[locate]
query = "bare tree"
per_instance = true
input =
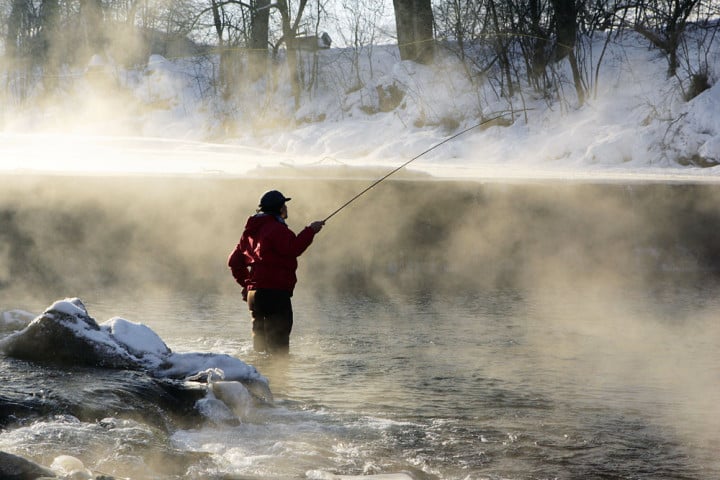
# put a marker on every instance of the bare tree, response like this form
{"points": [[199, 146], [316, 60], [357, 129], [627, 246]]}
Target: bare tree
{"points": [[289, 34], [566, 17], [501, 42], [359, 30], [694, 73], [246, 28], [663, 23]]}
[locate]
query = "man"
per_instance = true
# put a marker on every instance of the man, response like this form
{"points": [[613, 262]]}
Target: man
{"points": [[264, 264]]}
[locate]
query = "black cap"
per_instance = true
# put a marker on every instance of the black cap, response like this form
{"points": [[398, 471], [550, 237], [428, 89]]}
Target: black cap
{"points": [[272, 201]]}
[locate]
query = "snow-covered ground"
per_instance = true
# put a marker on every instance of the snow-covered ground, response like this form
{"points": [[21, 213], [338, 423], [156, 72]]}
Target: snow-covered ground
{"points": [[166, 119]]}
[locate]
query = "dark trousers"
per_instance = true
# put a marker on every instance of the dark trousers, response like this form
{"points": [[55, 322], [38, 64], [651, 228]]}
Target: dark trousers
{"points": [[272, 320]]}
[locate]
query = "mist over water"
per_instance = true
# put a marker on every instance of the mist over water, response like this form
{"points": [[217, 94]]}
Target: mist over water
{"points": [[78, 234], [455, 329]]}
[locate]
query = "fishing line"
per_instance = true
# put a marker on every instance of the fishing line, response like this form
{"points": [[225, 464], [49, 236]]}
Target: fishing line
{"points": [[376, 182]]}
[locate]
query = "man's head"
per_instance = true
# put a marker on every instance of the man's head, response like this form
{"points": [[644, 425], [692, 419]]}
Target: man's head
{"points": [[272, 202]]}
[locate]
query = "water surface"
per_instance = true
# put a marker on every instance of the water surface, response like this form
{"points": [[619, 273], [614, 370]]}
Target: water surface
{"points": [[486, 332]]}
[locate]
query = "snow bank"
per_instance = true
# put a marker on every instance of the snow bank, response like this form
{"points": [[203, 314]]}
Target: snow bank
{"points": [[635, 120]]}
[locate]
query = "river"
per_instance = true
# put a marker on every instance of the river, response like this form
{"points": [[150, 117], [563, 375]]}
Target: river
{"points": [[452, 331]]}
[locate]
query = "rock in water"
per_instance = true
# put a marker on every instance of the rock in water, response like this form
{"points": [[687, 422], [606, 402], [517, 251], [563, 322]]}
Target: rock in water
{"points": [[66, 334], [145, 372], [13, 467]]}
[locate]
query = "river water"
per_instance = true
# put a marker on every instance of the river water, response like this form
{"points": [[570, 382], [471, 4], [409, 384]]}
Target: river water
{"points": [[527, 376]]}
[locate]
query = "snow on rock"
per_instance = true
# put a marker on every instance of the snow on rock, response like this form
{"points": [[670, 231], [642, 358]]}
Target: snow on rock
{"points": [[69, 306], [66, 334], [138, 339], [185, 365]]}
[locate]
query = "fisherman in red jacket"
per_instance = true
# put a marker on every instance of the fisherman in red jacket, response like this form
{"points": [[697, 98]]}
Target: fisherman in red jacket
{"points": [[264, 264]]}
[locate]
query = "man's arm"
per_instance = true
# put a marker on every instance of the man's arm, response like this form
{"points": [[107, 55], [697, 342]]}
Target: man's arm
{"points": [[294, 245]]}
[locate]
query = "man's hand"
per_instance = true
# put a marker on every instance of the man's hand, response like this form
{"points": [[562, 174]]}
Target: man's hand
{"points": [[244, 294], [317, 225]]}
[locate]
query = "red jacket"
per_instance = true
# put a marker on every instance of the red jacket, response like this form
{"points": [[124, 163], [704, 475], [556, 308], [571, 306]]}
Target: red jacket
{"points": [[266, 256]]}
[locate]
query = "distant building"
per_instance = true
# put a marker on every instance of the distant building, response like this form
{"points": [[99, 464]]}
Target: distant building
{"points": [[313, 42]]}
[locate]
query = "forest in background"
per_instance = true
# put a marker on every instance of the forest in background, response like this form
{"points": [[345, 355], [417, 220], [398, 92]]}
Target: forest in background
{"points": [[507, 47]]}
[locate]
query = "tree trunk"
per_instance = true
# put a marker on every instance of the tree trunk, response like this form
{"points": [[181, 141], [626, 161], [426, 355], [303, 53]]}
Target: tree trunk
{"points": [[424, 38], [671, 24], [501, 48], [224, 67], [259, 38], [289, 30], [565, 27], [577, 78], [539, 42], [414, 23], [260, 25], [566, 31]]}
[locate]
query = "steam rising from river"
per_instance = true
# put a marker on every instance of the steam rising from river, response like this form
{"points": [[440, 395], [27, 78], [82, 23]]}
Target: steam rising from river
{"points": [[76, 233], [591, 248]]}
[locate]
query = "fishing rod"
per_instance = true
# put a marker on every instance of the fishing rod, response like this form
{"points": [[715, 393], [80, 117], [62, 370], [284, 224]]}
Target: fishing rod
{"points": [[376, 182]]}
